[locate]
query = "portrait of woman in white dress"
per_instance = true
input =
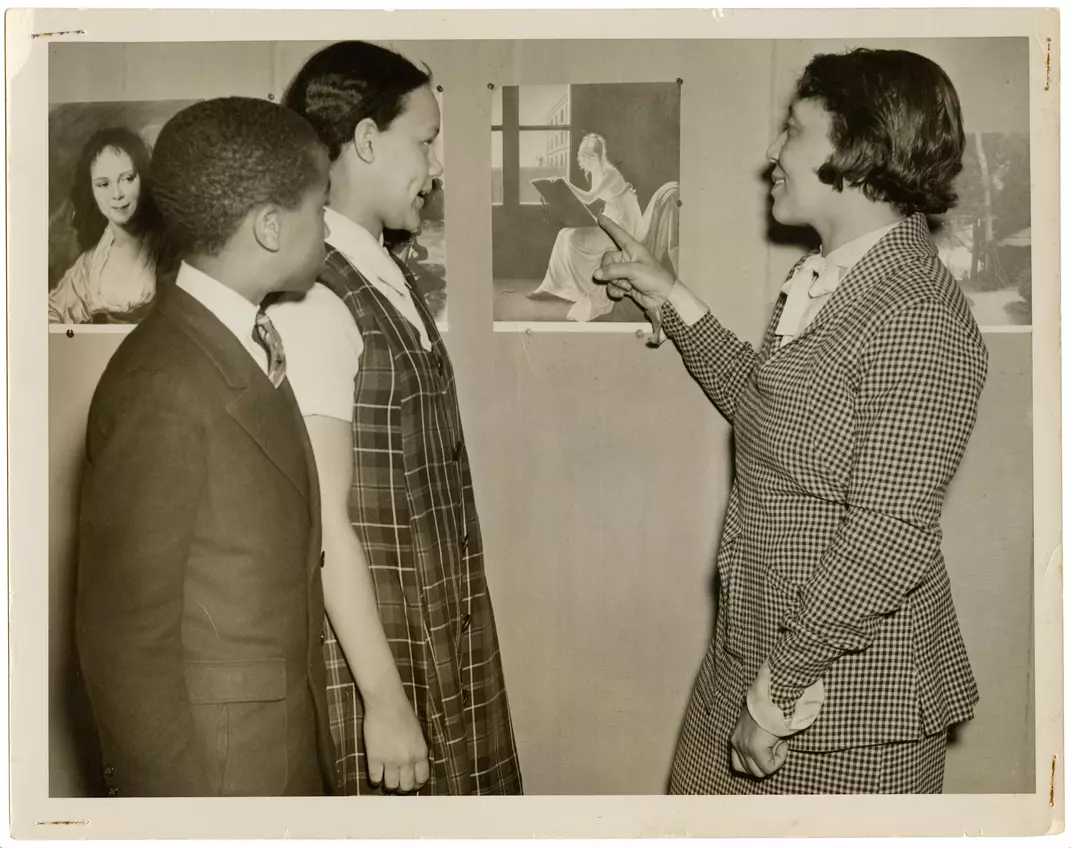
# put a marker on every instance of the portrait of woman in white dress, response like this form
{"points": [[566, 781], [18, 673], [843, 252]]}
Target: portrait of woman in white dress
{"points": [[578, 251], [113, 280]]}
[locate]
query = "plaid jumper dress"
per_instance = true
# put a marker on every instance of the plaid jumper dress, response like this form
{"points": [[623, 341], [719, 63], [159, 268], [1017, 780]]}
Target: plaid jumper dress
{"points": [[830, 565], [412, 507]]}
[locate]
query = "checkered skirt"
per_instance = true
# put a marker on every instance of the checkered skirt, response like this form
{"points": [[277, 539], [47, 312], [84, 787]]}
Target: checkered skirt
{"points": [[412, 507], [702, 765]]}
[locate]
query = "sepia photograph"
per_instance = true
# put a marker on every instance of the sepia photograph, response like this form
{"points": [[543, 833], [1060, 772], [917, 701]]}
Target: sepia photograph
{"points": [[719, 464], [560, 156]]}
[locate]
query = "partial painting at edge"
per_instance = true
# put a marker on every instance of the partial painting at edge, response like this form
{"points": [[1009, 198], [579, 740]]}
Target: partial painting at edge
{"points": [[985, 239], [104, 240], [560, 155]]}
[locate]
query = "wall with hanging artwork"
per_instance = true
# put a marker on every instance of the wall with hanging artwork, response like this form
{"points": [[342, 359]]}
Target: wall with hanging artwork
{"points": [[601, 471], [106, 257]]}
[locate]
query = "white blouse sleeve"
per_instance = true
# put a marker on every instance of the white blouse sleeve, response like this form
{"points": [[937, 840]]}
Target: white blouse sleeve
{"points": [[323, 349]]}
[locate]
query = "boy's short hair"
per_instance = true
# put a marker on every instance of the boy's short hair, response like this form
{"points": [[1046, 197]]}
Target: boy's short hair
{"points": [[218, 160], [347, 82], [897, 130]]}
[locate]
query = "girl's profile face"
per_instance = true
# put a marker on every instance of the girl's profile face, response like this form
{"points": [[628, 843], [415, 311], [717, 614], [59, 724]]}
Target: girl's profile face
{"points": [[116, 185], [408, 161], [799, 197]]}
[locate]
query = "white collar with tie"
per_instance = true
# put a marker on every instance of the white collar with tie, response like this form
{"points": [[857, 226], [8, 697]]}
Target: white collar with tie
{"points": [[814, 282], [370, 257]]}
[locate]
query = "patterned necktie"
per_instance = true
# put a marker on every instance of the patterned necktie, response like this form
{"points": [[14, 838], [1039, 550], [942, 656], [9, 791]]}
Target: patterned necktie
{"points": [[265, 334]]}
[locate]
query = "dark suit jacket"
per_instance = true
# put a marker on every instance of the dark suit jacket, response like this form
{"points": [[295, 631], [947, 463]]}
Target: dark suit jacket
{"points": [[200, 603]]}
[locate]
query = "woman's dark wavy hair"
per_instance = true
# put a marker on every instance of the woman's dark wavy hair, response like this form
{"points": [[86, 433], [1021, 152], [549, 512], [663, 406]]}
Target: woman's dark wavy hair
{"points": [[347, 82], [897, 130], [89, 221]]}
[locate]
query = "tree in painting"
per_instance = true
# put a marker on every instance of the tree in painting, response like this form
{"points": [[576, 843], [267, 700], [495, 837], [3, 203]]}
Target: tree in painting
{"points": [[985, 239]]}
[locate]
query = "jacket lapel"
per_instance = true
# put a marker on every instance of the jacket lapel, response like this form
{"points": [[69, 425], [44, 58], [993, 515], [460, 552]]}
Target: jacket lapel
{"points": [[771, 341], [312, 480], [276, 434], [910, 238], [264, 412]]}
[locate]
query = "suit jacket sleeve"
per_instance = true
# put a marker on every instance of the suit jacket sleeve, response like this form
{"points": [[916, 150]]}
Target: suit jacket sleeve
{"points": [[917, 401], [713, 355], [140, 500]]}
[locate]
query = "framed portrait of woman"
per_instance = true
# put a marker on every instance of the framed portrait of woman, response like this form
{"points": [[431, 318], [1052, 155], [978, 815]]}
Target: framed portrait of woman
{"points": [[105, 247]]}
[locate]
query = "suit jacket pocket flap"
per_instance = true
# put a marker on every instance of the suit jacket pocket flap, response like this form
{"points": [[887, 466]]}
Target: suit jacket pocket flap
{"points": [[236, 681]]}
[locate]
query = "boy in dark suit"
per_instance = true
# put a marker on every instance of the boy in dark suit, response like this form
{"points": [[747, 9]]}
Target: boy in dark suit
{"points": [[200, 601]]}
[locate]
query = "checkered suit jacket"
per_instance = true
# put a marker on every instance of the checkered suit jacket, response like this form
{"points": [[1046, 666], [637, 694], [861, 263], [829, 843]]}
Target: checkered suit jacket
{"points": [[830, 560], [412, 507]]}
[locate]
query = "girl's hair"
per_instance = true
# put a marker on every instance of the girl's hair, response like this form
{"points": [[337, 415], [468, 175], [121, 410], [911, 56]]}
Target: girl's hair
{"points": [[89, 221], [897, 130], [593, 143], [347, 82]]}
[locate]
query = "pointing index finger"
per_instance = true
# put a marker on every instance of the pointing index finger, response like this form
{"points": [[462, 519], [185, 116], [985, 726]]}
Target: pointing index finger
{"points": [[620, 236]]}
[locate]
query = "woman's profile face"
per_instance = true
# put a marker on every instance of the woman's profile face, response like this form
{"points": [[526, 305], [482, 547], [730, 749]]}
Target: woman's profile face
{"points": [[116, 185], [799, 197], [586, 158]]}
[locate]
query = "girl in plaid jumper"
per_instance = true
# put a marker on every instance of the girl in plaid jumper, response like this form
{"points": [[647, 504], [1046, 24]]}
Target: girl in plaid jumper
{"points": [[837, 663], [415, 682]]}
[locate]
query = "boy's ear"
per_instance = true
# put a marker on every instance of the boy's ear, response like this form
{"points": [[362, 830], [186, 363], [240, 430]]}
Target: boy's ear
{"points": [[364, 137], [267, 227]]}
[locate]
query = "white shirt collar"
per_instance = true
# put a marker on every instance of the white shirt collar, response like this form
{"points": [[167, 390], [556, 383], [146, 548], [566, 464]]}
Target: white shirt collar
{"points": [[844, 258], [363, 250], [848, 254], [235, 312]]}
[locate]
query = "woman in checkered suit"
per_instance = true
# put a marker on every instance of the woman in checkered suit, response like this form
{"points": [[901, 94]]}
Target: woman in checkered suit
{"points": [[415, 683], [837, 664]]}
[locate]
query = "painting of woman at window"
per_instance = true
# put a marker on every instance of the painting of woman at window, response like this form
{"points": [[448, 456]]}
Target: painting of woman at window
{"points": [[578, 251], [113, 281]]}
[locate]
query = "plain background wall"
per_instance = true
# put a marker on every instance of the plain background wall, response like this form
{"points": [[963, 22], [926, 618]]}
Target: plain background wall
{"points": [[601, 471]]}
